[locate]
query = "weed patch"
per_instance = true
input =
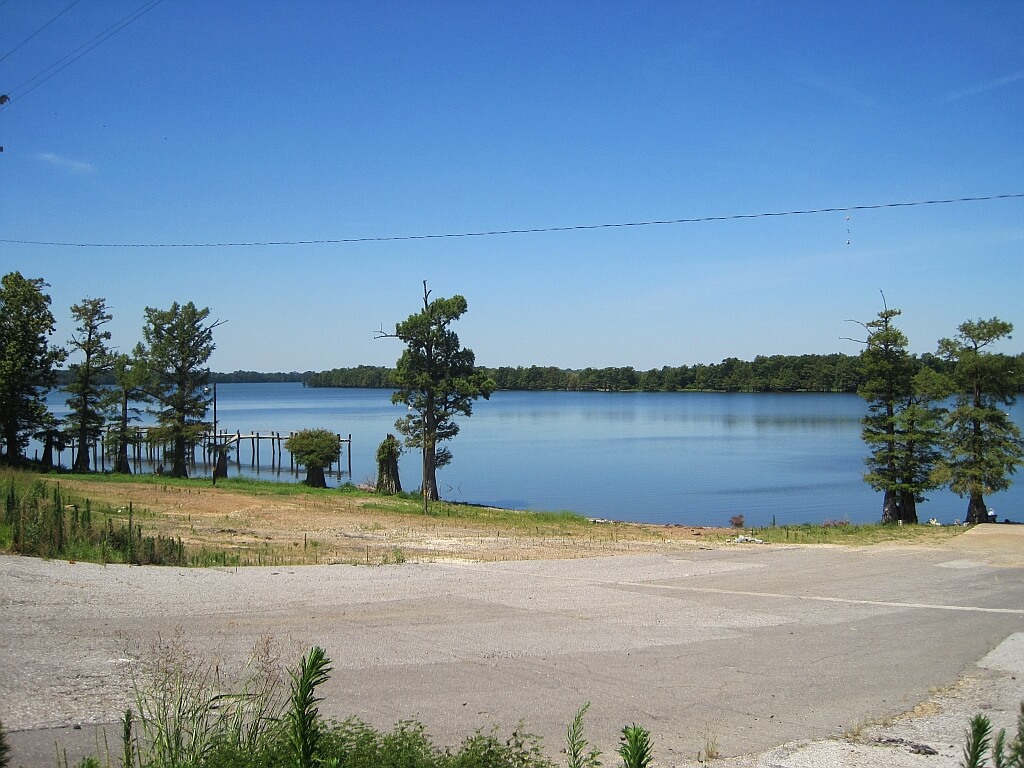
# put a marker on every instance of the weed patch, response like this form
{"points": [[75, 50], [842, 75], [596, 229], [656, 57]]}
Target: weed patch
{"points": [[41, 521], [188, 715]]}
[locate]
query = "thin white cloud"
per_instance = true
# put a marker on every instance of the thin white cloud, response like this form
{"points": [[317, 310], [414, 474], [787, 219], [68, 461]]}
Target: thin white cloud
{"points": [[73, 166], [991, 85]]}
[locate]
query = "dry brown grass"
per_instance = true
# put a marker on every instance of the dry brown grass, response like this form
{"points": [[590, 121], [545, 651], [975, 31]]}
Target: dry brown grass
{"points": [[334, 527]]}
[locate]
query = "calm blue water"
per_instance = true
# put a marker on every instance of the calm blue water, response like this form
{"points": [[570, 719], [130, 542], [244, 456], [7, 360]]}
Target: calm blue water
{"points": [[691, 458]]}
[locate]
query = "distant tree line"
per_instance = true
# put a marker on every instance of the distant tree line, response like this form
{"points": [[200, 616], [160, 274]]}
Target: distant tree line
{"points": [[65, 377], [776, 373]]}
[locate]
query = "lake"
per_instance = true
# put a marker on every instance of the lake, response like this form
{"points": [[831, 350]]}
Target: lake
{"points": [[691, 458]]}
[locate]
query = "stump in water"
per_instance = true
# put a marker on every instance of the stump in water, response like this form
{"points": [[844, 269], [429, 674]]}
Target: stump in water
{"points": [[388, 480], [220, 467]]}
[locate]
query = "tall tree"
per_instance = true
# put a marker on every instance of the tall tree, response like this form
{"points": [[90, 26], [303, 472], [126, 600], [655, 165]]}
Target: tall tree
{"points": [[984, 446], [131, 376], [901, 428], [89, 401], [437, 380], [178, 343], [27, 361]]}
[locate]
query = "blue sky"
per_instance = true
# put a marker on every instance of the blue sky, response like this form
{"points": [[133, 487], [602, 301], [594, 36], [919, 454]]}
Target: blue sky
{"points": [[275, 121]]}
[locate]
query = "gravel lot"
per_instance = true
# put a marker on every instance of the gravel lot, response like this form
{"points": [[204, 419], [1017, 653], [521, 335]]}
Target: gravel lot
{"points": [[751, 646]]}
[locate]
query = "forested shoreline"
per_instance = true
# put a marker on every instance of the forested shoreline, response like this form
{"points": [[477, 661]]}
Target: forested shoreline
{"points": [[836, 372]]}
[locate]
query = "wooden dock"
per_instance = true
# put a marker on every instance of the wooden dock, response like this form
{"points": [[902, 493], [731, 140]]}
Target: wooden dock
{"points": [[146, 451]]}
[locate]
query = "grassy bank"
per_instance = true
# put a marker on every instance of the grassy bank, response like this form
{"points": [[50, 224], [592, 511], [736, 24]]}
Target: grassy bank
{"points": [[854, 535], [149, 519]]}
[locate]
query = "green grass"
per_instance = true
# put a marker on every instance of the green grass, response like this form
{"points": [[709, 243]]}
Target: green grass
{"points": [[41, 520], [247, 485], [846, 533], [128, 541], [402, 503], [187, 714]]}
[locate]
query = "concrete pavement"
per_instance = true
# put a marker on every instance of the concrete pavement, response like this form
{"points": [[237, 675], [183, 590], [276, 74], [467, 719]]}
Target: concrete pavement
{"points": [[755, 645]]}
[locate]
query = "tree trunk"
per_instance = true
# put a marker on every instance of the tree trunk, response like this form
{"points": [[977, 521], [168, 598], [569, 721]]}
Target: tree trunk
{"points": [[47, 461], [121, 464], [899, 507], [977, 512], [890, 508], [388, 481], [315, 477], [11, 445], [429, 476], [220, 468], [178, 466], [908, 508], [82, 457]]}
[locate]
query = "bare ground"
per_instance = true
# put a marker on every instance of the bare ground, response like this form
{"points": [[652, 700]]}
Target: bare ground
{"points": [[347, 528], [333, 527]]}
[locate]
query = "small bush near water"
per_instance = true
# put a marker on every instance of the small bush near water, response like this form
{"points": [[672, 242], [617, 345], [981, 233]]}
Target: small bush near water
{"points": [[41, 521]]}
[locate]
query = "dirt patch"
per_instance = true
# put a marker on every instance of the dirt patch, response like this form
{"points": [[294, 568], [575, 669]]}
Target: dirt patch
{"points": [[347, 528], [997, 544]]}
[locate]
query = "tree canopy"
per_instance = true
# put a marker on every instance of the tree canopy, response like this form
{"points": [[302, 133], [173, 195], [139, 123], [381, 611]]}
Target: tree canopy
{"points": [[315, 449], [901, 428], [178, 343], [27, 361], [89, 400], [437, 380], [983, 446]]}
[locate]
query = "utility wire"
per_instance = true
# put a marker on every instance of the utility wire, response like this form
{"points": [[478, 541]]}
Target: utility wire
{"points": [[534, 230], [73, 4], [79, 52]]}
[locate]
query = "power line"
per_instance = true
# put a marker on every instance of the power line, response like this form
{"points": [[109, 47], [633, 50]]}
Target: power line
{"points": [[27, 39], [533, 230], [79, 52]]}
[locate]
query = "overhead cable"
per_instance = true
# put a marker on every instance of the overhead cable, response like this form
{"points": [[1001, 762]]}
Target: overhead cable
{"points": [[532, 230], [38, 79], [27, 39]]}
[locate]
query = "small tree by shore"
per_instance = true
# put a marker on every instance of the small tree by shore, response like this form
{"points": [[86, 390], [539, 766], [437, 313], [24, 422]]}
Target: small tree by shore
{"points": [[315, 449]]}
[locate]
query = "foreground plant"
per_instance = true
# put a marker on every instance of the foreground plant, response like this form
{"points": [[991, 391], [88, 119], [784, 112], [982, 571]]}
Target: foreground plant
{"points": [[577, 754], [979, 736], [187, 715], [303, 717], [4, 749], [176, 703], [636, 749]]}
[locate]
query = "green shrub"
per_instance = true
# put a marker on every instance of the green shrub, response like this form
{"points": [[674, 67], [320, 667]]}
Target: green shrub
{"points": [[303, 717], [577, 754], [43, 521], [979, 737], [5, 751], [185, 718], [636, 748]]}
